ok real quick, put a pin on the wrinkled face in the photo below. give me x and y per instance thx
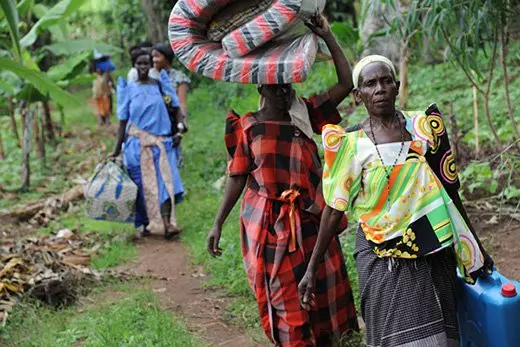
(143, 65)
(280, 94)
(159, 60)
(377, 89)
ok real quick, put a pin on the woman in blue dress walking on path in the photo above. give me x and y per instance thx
(146, 141)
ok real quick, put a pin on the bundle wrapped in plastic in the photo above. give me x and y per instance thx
(111, 194)
(260, 44)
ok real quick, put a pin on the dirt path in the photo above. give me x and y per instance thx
(180, 288)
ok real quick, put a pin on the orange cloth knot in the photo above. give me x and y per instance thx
(290, 196)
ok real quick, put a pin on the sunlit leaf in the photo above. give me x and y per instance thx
(70, 68)
(54, 16)
(11, 15)
(40, 81)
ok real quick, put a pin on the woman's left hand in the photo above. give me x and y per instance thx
(319, 25)
(489, 264)
(306, 290)
(177, 138)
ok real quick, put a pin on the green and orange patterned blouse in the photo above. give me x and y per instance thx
(419, 217)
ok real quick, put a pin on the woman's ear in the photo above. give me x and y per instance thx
(357, 96)
(398, 84)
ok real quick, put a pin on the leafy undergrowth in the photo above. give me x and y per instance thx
(115, 315)
(81, 145)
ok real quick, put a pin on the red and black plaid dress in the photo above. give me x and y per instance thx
(280, 218)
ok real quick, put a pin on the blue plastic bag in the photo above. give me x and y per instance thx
(111, 194)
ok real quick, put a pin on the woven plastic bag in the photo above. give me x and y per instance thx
(269, 49)
(111, 194)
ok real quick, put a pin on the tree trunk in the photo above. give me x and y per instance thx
(490, 122)
(428, 56)
(503, 62)
(38, 140)
(14, 127)
(27, 115)
(403, 77)
(47, 121)
(2, 152)
(455, 136)
(475, 119)
(26, 212)
(156, 24)
(376, 19)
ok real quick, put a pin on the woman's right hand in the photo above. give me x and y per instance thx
(306, 290)
(213, 241)
(113, 155)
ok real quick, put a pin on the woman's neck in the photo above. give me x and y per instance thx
(144, 81)
(274, 112)
(386, 120)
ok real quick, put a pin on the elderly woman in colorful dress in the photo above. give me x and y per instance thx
(272, 151)
(145, 138)
(394, 174)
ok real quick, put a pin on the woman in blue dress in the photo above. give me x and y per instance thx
(146, 141)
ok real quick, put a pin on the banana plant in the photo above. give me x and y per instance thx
(12, 58)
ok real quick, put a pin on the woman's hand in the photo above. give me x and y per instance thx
(177, 138)
(306, 290)
(489, 264)
(319, 25)
(113, 155)
(213, 241)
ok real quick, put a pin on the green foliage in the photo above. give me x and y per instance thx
(349, 37)
(40, 81)
(52, 17)
(72, 47)
(10, 13)
(479, 176)
(446, 84)
(130, 21)
(130, 318)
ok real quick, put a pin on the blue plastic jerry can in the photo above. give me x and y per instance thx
(489, 312)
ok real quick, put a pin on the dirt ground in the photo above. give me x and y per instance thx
(180, 288)
(501, 238)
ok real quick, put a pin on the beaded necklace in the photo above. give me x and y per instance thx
(381, 158)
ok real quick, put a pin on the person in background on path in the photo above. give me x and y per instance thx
(395, 175)
(162, 60)
(132, 75)
(102, 91)
(146, 141)
(272, 150)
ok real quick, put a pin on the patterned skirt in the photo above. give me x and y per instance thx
(102, 106)
(274, 274)
(408, 302)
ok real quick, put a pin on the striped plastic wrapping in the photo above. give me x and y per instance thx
(280, 17)
(279, 61)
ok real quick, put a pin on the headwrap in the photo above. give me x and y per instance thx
(369, 60)
(165, 50)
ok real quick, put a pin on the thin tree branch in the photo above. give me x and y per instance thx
(457, 58)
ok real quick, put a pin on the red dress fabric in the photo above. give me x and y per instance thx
(280, 217)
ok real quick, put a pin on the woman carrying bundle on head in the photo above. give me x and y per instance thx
(272, 151)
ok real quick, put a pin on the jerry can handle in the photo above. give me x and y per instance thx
(494, 278)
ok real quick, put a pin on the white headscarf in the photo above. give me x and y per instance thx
(369, 60)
